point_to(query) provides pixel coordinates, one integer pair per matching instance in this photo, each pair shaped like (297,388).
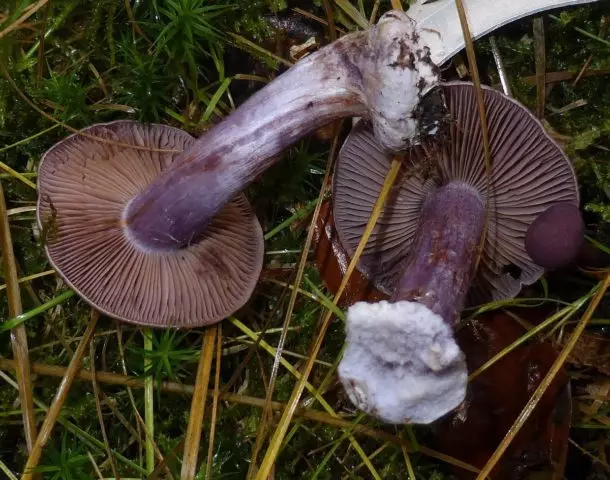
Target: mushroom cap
(529,173)
(84,185)
(555,237)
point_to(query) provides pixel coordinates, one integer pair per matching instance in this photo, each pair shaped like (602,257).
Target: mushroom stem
(382,73)
(440,268)
(402,363)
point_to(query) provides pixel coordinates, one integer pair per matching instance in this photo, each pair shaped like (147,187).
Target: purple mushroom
(165,239)
(401,363)
(382,74)
(84,186)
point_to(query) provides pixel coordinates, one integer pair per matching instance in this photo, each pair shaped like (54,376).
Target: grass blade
(19,339)
(353,13)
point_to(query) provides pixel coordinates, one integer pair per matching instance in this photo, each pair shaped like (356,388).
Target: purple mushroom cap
(555,237)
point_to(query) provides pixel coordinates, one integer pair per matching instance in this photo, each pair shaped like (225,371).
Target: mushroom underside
(529,173)
(84,187)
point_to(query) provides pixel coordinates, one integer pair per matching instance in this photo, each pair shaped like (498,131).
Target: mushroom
(401,363)
(386,74)
(382,73)
(84,186)
(161,239)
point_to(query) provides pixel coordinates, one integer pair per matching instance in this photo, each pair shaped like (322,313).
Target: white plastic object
(442,31)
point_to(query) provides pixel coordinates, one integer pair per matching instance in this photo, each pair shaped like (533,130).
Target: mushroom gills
(84,183)
(423,249)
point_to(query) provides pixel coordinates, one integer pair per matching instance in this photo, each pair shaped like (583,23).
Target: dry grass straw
(19,340)
(265,417)
(110,378)
(282,427)
(195,425)
(60,397)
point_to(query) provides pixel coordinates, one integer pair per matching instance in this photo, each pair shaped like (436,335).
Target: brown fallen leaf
(496,397)
(592,350)
(332,260)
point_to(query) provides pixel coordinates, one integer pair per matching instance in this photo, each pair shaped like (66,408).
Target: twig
(60,397)
(19,339)
(583,70)
(331,20)
(540,52)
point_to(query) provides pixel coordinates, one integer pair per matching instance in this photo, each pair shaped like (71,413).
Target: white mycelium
(401,363)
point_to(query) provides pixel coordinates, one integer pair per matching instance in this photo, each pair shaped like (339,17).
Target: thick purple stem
(381,73)
(441,266)
(179,204)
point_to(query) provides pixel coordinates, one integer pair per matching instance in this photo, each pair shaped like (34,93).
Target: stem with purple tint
(380,73)
(441,266)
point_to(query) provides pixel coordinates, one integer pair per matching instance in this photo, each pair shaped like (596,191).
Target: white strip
(484,16)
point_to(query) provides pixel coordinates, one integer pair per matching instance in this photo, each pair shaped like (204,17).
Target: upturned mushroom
(402,363)
(84,186)
(162,239)
(381,73)
(384,74)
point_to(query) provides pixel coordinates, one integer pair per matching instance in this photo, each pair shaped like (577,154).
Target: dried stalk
(19,340)
(193,432)
(60,397)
